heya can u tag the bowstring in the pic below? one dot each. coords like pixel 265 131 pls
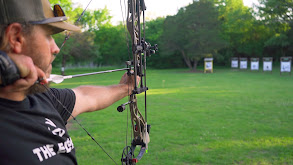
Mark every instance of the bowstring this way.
pixel 67 36
pixel 74 118
pixel 125 26
pixel 64 107
pixel 129 58
pixel 145 81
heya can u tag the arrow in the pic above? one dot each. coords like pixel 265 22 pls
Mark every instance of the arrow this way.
pixel 59 78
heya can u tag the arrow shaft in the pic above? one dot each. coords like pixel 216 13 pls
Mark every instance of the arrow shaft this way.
pixel 93 73
pixel 58 78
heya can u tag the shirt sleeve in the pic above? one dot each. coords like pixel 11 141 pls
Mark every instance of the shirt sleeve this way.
pixel 64 101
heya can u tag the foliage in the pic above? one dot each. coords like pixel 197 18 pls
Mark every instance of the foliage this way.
pixel 277 16
pixel 241 30
pixel 289 34
pixel 218 28
pixel 193 32
pixel 276 11
pixel 93 20
pixel 278 40
pixel 153 34
pixel 112 45
pixel 81 48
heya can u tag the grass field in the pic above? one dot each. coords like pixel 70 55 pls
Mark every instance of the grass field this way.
pixel 228 117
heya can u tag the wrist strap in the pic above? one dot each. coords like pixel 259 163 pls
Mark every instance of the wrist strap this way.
pixel 9 73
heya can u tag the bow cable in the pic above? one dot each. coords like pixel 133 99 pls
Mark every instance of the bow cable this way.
pixel 126 149
pixel 64 107
pixel 67 36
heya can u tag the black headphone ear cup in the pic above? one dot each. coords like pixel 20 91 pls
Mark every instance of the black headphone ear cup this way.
pixel 9 72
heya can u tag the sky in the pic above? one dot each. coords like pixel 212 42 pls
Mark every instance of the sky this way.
pixel 155 8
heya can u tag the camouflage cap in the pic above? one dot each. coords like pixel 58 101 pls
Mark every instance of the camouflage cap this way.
pixel 34 12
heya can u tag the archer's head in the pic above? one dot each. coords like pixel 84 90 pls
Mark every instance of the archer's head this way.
pixel 26 28
pixel 29 13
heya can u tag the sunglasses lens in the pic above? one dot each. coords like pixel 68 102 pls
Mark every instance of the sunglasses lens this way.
pixel 58 12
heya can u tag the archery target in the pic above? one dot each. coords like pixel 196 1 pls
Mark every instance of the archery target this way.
pixel 267 66
pixel 234 63
pixel 243 64
pixel 209 65
pixel 254 65
pixel 286 66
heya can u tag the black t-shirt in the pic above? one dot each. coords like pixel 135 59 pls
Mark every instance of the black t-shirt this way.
pixel 33 131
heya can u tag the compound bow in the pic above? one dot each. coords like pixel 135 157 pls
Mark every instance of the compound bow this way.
pixel 140 50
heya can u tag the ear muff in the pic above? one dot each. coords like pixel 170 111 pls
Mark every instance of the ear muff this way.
pixel 9 72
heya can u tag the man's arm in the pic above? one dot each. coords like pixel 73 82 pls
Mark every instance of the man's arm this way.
pixel 93 98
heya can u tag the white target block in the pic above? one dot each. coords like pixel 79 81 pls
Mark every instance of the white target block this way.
pixel 267 66
pixel 254 65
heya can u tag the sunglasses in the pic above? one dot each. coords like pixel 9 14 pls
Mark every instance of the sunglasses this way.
pixel 59 16
pixel 58 11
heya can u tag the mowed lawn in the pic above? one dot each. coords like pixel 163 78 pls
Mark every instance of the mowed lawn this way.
pixel 228 117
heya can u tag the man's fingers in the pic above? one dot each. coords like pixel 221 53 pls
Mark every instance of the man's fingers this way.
pixel 41 76
pixel 137 80
pixel 126 79
pixel 23 63
pixel 28 71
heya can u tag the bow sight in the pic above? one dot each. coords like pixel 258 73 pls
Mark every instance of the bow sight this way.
pixel 149 48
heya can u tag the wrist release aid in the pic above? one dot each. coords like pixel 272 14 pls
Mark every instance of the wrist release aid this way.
pixel 9 73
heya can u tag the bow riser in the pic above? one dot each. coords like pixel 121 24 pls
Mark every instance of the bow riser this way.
pixel 140 50
pixel 140 133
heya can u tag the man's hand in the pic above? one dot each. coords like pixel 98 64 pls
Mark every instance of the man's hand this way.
pixel 129 80
pixel 29 74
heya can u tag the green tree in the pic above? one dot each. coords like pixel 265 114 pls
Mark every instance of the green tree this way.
pixel 277 16
pixel 276 11
pixel 112 45
pixel 289 34
pixel 279 42
pixel 194 32
pixel 153 33
pixel 81 47
pixel 241 30
pixel 93 20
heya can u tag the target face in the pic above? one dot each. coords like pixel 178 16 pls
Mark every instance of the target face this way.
pixel 234 64
pixel 243 64
pixel 267 66
pixel 285 66
pixel 254 65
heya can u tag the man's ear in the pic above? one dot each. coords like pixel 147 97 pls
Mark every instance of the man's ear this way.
pixel 15 37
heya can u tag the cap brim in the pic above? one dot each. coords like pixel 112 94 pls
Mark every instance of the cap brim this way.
pixel 61 26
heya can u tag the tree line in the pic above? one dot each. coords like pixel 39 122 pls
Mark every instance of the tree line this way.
pixel 205 28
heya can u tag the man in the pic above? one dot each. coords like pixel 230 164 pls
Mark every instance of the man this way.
pixel 33 116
